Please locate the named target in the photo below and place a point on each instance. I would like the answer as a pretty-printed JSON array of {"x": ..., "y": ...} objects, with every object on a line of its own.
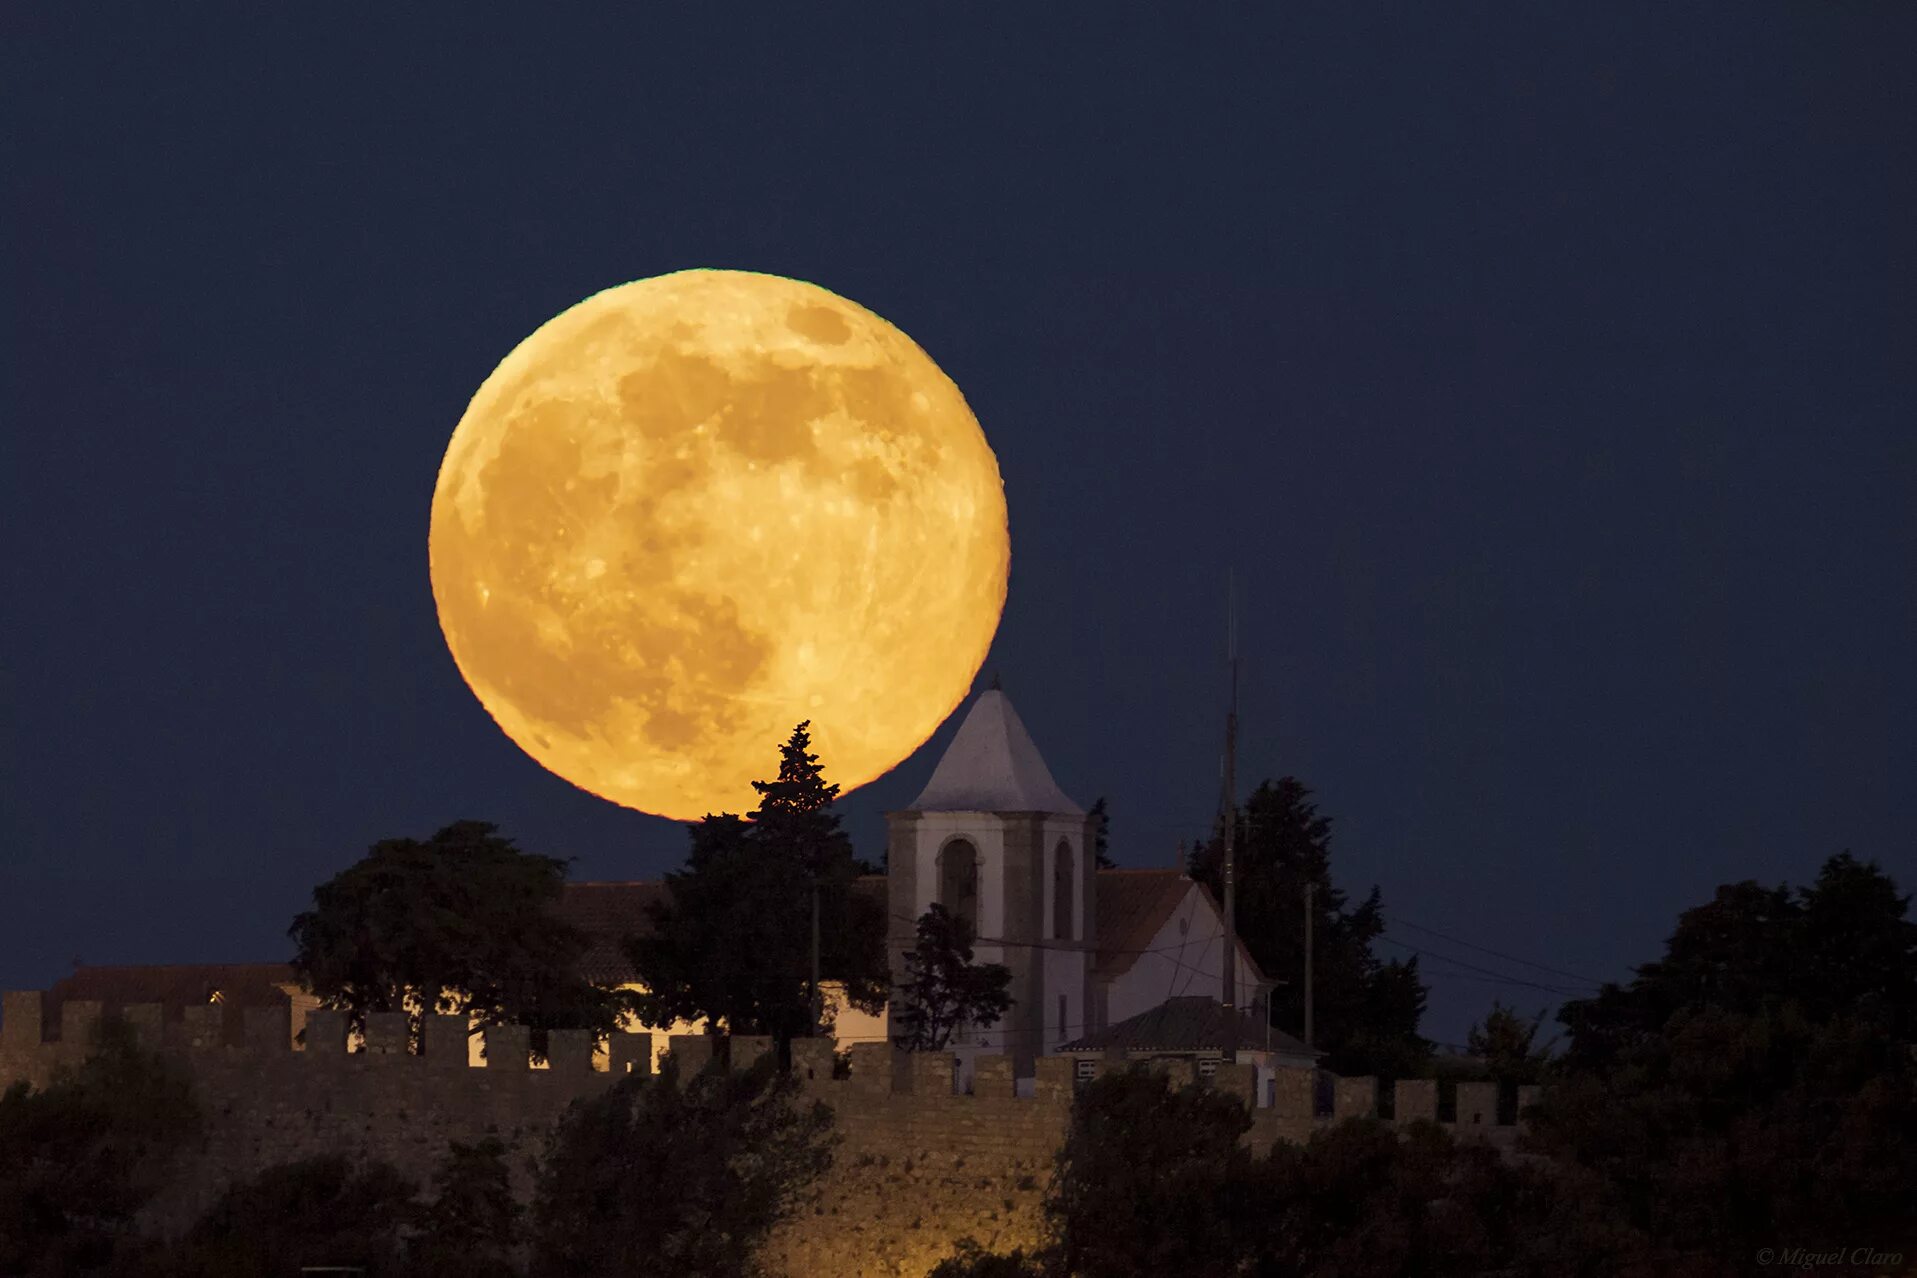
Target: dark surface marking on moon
[
  {"x": 821, "y": 324},
  {"x": 674, "y": 655},
  {"x": 767, "y": 419}
]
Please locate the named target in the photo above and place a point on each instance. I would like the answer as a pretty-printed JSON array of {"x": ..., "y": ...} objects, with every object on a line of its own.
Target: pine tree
[
  {"x": 734, "y": 944},
  {"x": 1366, "y": 1008},
  {"x": 1099, "y": 814}
]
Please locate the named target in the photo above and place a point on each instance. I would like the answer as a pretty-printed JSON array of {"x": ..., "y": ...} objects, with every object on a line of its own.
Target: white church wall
[
  {"x": 986, "y": 832},
  {"x": 1185, "y": 957},
  {"x": 1064, "y": 968}
]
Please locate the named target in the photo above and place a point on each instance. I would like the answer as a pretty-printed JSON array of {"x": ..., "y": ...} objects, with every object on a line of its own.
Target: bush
[
  {"x": 681, "y": 1177},
  {"x": 80, "y": 1158},
  {"x": 317, "y": 1211}
]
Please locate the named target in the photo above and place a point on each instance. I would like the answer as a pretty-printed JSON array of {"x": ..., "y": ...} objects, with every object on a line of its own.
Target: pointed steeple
[{"x": 993, "y": 766}]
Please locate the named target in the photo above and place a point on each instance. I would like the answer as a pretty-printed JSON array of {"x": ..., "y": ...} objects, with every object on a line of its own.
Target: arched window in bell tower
[
  {"x": 958, "y": 880},
  {"x": 1062, "y": 890}
]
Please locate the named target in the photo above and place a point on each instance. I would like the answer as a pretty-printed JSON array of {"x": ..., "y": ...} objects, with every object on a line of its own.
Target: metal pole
[
  {"x": 818, "y": 1003},
  {"x": 1311, "y": 890},
  {"x": 1231, "y": 821}
]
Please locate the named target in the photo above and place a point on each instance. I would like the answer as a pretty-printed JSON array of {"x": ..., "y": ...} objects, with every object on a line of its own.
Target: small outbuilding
[{"x": 1200, "y": 1030}]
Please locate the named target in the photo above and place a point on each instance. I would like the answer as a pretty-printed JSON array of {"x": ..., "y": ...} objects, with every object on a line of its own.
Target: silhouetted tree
[
  {"x": 676, "y": 1175},
  {"x": 753, "y": 879},
  {"x": 1507, "y": 1044},
  {"x": 460, "y": 923},
  {"x": 1143, "y": 1183},
  {"x": 944, "y": 991},
  {"x": 1153, "y": 1180},
  {"x": 1099, "y": 841},
  {"x": 1367, "y": 1009},
  {"x": 80, "y": 1157},
  {"x": 471, "y": 1227},
  {"x": 1757, "y": 1082},
  {"x": 320, "y": 1211}
]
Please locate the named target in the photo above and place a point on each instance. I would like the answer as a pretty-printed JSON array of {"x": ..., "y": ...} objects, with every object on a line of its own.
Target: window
[
  {"x": 958, "y": 880},
  {"x": 1064, "y": 1030},
  {"x": 1062, "y": 890},
  {"x": 1208, "y": 1067},
  {"x": 1083, "y": 1069}
]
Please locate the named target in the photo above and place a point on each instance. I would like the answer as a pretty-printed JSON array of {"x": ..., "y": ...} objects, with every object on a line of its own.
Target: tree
[
  {"x": 320, "y": 1211},
  {"x": 755, "y": 878},
  {"x": 1142, "y": 1182},
  {"x": 471, "y": 1227},
  {"x": 81, "y": 1157},
  {"x": 1506, "y": 1043},
  {"x": 944, "y": 991},
  {"x": 1153, "y": 1180},
  {"x": 1367, "y": 1009},
  {"x": 462, "y": 923},
  {"x": 675, "y": 1175},
  {"x": 1101, "y": 855},
  {"x": 1756, "y": 1082}
]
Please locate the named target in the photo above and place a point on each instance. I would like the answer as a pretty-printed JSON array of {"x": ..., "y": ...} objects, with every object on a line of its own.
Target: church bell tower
[{"x": 993, "y": 838}]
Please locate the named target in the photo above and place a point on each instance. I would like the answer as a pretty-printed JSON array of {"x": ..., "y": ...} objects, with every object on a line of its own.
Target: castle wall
[{"x": 919, "y": 1165}]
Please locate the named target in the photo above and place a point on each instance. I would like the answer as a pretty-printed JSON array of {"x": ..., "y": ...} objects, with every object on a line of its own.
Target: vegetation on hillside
[
  {"x": 461, "y": 923},
  {"x": 755, "y": 879},
  {"x": 1367, "y": 1008}
]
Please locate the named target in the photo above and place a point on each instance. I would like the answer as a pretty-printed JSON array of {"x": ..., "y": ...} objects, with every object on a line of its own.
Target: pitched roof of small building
[
  {"x": 1189, "y": 1023},
  {"x": 993, "y": 766},
  {"x": 1132, "y": 905}
]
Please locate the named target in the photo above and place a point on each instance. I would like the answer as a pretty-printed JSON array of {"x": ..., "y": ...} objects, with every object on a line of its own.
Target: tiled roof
[
  {"x": 175, "y": 987},
  {"x": 610, "y": 912},
  {"x": 1191, "y": 1023},
  {"x": 993, "y": 766},
  {"x": 1132, "y": 905}
]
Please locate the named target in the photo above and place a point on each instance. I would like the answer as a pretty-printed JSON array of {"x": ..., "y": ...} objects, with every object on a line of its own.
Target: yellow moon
[{"x": 693, "y": 510}]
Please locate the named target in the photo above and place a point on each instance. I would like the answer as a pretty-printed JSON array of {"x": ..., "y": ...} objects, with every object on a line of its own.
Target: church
[{"x": 1104, "y": 962}]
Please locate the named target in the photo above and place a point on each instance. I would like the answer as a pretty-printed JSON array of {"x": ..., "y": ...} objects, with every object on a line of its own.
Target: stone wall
[{"x": 920, "y": 1164}]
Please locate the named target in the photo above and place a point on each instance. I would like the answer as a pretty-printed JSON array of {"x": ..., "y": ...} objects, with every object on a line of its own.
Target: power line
[
  {"x": 1512, "y": 958},
  {"x": 1498, "y": 976}
]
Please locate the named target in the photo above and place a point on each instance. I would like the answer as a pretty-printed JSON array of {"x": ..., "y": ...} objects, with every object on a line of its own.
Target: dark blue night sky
[{"x": 1548, "y": 374}]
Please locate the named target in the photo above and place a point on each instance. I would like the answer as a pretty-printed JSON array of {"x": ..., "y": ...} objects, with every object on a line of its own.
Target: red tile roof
[{"x": 1132, "y": 905}]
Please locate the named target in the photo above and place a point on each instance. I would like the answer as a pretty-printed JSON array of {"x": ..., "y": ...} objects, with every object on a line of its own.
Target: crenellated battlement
[
  {"x": 880, "y": 1073},
  {"x": 921, "y": 1139}
]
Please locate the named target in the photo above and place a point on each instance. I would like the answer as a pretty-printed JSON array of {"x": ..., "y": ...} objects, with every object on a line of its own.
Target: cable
[
  {"x": 1512, "y": 958},
  {"x": 1498, "y": 976}
]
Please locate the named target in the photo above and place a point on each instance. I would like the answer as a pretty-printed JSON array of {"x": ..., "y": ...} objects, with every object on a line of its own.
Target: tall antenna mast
[{"x": 1230, "y": 800}]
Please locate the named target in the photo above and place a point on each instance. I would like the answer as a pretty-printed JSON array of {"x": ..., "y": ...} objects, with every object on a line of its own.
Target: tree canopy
[
  {"x": 1367, "y": 1009},
  {"x": 676, "y": 1175},
  {"x": 944, "y": 991},
  {"x": 1757, "y": 1082},
  {"x": 732, "y": 945},
  {"x": 1101, "y": 844},
  {"x": 462, "y": 922},
  {"x": 80, "y": 1157},
  {"x": 1153, "y": 1179},
  {"x": 1507, "y": 1044}
]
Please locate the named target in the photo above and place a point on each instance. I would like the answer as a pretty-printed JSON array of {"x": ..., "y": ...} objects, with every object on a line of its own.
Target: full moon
[{"x": 694, "y": 510}]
